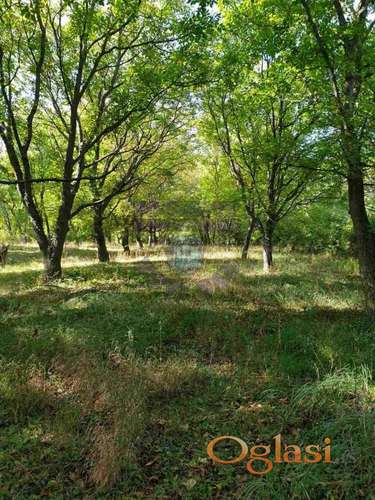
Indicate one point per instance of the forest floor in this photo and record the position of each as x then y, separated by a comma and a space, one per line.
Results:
113, 381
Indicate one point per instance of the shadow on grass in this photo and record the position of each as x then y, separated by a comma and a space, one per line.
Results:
147, 307
66, 407
227, 362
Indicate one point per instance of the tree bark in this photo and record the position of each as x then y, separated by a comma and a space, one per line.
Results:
363, 232
352, 149
52, 260
249, 234
152, 238
99, 235
125, 240
364, 236
138, 232
268, 246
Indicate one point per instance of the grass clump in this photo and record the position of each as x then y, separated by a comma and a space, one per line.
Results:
345, 386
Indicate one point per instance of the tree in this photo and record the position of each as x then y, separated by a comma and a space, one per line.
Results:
264, 125
131, 166
344, 40
330, 43
54, 57
146, 205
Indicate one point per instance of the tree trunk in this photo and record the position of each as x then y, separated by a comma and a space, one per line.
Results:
249, 234
55, 244
152, 240
51, 246
206, 237
154, 235
103, 254
52, 251
268, 246
125, 240
364, 236
52, 261
138, 232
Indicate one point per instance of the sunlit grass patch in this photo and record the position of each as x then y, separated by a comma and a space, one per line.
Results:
345, 386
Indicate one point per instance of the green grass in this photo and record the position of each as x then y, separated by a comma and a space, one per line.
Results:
113, 381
